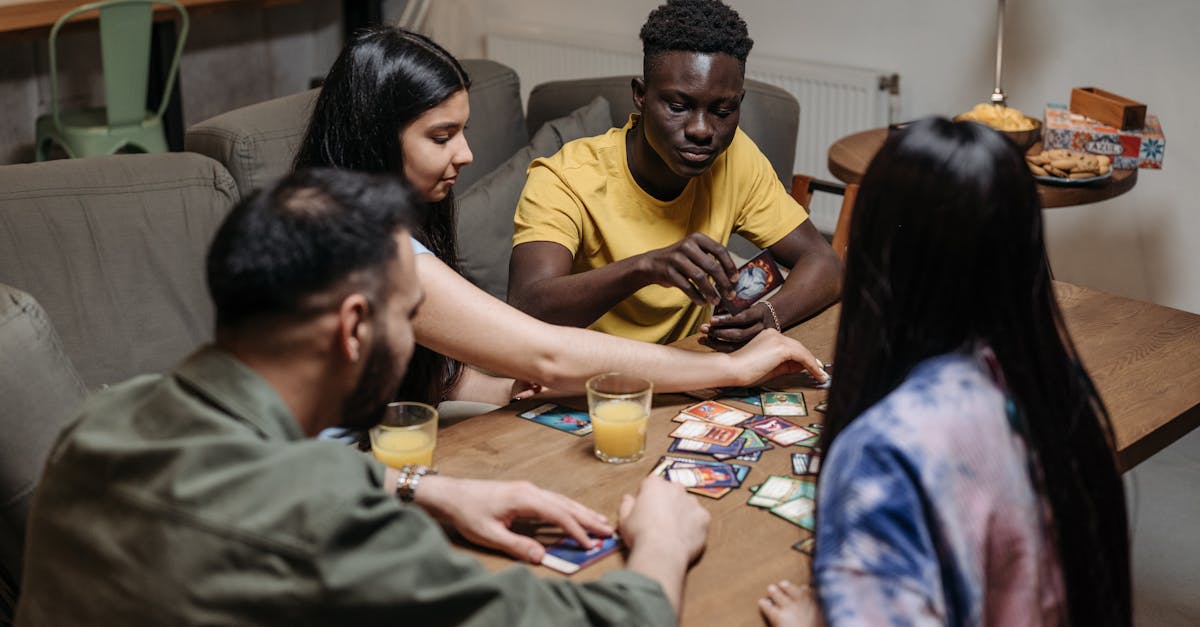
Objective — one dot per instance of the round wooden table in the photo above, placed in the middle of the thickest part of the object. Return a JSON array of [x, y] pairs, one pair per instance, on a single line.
[[849, 156]]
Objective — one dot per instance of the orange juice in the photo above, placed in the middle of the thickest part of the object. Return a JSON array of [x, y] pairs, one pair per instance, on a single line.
[[397, 448], [619, 427]]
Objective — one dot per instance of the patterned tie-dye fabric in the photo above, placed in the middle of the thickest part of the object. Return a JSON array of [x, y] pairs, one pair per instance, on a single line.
[[926, 513]]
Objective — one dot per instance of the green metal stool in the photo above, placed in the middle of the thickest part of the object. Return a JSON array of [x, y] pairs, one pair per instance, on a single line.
[[124, 121]]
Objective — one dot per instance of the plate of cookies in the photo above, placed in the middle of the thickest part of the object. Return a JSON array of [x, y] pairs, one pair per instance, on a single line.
[[1066, 167]]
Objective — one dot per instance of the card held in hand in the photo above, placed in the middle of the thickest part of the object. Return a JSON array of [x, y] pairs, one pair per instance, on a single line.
[[755, 279], [567, 557]]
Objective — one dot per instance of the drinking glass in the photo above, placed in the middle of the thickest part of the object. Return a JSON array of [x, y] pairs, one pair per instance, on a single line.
[[406, 435], [619, 406]]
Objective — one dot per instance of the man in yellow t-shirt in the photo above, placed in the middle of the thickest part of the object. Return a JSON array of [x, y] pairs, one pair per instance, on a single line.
[[626, 232]]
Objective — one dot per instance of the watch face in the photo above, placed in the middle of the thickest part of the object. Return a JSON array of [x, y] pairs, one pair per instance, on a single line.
[[751, 283]]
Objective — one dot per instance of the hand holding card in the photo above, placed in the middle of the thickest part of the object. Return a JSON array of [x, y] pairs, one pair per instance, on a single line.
[[567, 557], [755, 279]]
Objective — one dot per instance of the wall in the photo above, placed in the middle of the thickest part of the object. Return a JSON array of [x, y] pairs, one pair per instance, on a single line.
[[1140, 245], [232, 58]]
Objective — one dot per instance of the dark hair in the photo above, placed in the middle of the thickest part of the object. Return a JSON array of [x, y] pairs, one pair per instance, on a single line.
[[384, 79], [707, 26], [946, 252], [308, 234]]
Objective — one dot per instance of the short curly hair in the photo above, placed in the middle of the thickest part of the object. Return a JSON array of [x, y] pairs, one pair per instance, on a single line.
[[706, 26]]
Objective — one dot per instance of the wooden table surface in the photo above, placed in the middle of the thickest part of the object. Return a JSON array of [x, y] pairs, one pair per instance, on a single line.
[[1144, 358], [850, 155]]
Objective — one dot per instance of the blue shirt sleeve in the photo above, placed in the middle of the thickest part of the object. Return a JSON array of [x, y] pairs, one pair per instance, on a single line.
[[875, 562]]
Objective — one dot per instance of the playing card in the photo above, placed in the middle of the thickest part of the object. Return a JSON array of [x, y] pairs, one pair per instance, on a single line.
[[755, 279], [667, 462], [779, 489], [702, 477], [706, 432], [806, 545], [778, 430], [561, 418], [567, 557], [822, 406], [753, 442], [800, 463], [718, 413], [783, 404], [733, 449], [749, 457], [798, 511]]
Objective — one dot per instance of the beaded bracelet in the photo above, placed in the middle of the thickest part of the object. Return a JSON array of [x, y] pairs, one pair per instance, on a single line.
[[410, 478], [771, 308]]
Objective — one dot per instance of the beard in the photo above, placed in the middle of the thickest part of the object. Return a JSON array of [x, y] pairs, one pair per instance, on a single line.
[[376, 387]]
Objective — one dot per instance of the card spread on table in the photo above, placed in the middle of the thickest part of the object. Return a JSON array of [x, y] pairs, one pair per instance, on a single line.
[[784, 404], [800, 463], [753, 442], [749, 457], [562, 418], [718, 413], [733, 449], [567, 557], [822, 406], [706, 432], [805, 546], [779, 489], [667, 463], [806, 463], [702, 477], [778, 430], [755, 279], [798, 511]]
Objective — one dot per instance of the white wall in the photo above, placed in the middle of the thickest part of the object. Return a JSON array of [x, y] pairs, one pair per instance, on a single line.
[[1141, 245]]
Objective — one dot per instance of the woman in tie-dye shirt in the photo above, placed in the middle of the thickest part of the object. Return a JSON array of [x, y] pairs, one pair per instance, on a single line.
[[970, 477]]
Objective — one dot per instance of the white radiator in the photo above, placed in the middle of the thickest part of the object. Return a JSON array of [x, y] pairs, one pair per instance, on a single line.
[[834, 101]]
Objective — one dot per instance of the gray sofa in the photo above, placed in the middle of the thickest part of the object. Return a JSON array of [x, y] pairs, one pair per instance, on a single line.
[[102, 259], [258, 143]]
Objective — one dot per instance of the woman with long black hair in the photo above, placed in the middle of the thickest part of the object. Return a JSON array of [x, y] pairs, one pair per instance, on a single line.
[[970, 476], [396, 102]]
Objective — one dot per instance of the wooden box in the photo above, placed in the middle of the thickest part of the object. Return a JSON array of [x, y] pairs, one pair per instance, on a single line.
[[1109, 108]]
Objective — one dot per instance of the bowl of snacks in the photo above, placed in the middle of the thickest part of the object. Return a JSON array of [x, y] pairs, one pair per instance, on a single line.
[[1023, 130], [1065, 167]]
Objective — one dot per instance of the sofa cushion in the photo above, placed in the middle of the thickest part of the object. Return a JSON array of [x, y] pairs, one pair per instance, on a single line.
[[485, 210], [113, 248], [258, 143], [41, 393]]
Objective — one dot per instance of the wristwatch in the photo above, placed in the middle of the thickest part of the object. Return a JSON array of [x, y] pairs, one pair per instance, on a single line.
[[410, 478]]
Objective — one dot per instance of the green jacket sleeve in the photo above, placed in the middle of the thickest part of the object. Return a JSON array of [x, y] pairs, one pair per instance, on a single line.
[[387, 563]]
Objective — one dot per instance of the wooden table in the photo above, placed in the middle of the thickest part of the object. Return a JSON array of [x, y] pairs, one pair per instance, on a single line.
[[1144, 358], [850, 155]]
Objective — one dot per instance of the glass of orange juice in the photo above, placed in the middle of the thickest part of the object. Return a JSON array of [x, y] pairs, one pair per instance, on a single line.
[[619, 406], [406, 435]]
